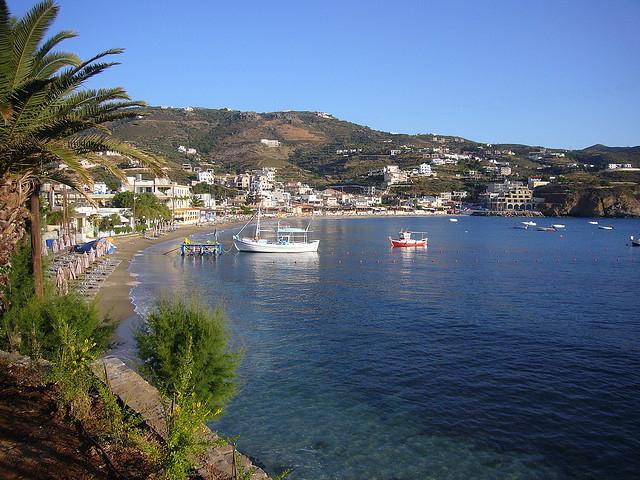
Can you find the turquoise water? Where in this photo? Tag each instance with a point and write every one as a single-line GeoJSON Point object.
{"type": "Point", "coordinates": [495, 353]}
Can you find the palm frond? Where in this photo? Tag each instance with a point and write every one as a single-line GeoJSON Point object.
{"type": "Point", "coordinates": [52, 62]}
{"type": "Point", "coordinates": [68, 155]}
{"type": "Point", "coordinates": [108, 164]}
{"type": "Point", "coordinates": [27, 35]}
{"type": "Point", "coordinates": [86, 63]}
{"type": "Point", "coordinates": [76, 100]}
{"type": "Point", "coordinates": [62, 177]}
{"type": "Point", "coordinates": [52, 42]}
{"type": "Point", "coordinates": [103, 143]}
{"type": "Point", "coordinates": [24, 102]}
{"type": "Point", "coordinates": [5, 51]}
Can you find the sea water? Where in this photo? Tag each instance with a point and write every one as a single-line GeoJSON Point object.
{"type": "Point", "coordinates": [494, 353]}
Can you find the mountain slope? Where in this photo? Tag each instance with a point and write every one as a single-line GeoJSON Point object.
{"type": "Point", "coordinates": [311, 144]}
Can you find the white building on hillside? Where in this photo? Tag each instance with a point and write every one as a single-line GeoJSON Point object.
{"type": "Point", "coordinates": [270, 143]}
{"type": "Point", "coordinates": [424, 169]}
{"type": "Point", "coordinates": [206, 177]}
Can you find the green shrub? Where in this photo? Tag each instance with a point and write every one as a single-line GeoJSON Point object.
{"type": "Point", "coordinates": [71, 367]}
{"type": "Point", "coordinates": [29, 325]}
{"type": "Point", "coordinates": [177, 326]}
{"type": "Point", "coordinates": [186, 418]}
{"type": "Point", "coordinates": [36, 324]}
{"type": "Point", "coordinates": [20, 287]}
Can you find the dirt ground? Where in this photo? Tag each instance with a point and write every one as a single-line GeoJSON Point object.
{"type": "Point", "coordinates": [37, 441]}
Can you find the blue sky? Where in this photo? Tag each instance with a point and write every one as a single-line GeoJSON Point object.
{"type": "Point", "coordinates": [554, 73]}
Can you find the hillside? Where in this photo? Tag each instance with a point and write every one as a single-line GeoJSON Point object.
{"type": "Point", "coordinates": [322, 149]}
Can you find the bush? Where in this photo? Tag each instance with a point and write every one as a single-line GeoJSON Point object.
{"type": "Point", "coordinates": [20, 287]}
{"type": "Point", "coordinates": [36, 324]}
{"type": "Point", "coordinates": [31, 325]}
{"type": "Point", "coordinates": [177, 328]}
{"type": "Point", "coordinates": [186, 419]}
{"type": "Point", "coordinates": [71, 367]}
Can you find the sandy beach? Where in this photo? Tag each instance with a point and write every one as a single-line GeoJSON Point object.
{"type": "Point", "coordinates": [113, 299]}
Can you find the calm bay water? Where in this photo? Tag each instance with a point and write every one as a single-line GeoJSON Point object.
{"type": "Point", "coordinates": [495, 353]}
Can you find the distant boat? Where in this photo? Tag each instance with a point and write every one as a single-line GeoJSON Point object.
{"type": "Point", "coordinates": [593, 222]}
{"type": "Point", "coordinates": [557, 225]}
{"type": "Point", "coordinates": [405, 240]}
{"type": "Point", "coordinates": [635, 242]}
{"type": "Point", "coordinates": [605, 227]}
{"type": "Point", "coordinates": [529, 223]}
{"type": "Point", "coordinates": [521, 227]}
{"type": "Point", "coordinates": [546, 229]}
{"type": "Point", "coordinates": [453, 219]}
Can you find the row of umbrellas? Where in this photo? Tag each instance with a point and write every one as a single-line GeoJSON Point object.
{"type": "Point", "coordinates": [76, 267]}
{"type": "Point", "coordinates": [62, 244]}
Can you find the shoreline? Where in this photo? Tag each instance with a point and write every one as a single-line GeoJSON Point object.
{"type": "Point", "coordinates": [113, 300]}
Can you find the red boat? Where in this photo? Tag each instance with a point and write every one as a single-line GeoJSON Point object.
{"type": "Point", "coordinates": [405, 240]}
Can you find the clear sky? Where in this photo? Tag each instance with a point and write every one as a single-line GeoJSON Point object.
{"type": "Point", "coordinates": [554, 73]}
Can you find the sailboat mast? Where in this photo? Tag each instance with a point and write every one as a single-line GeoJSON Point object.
{"type": "Point", "coordinates": [258, 225]}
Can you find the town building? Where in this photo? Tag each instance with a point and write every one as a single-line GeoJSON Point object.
{"type": "Point", "coordinates": [424, 169]}
{"type": "Point", "coordinates": [535, 182]}
{"type": "Point", "coordinates": [509, 196]}
{"type": "Point", "coordinates": [206, 177]}
{"type": "Point", "coordinates": [393, 175]}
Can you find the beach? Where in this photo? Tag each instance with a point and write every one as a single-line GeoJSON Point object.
{"type": "Point", "coordinates": [113, 300]}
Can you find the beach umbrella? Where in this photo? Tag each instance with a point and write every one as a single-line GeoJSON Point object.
{"type": "Point", "coordinates": [71, 271]}
{"type": "Point", "coordinates": [85, 260]}
{"type": "Point", "coordinates": [60, 280]}
{"type": "Point", "coordinates": [78, 266]}
{"type": "Point", "coordinates": [45, 250]}
{"type": "Point", "coordinates": [54, 246]}
{"type": "Point", "coordinates": [92, 255]}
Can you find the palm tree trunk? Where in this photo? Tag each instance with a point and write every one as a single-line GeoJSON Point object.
{"type": "Point", "coordinates": [13, 196]}
{"type": "Point", "coordinates": [36, 240]}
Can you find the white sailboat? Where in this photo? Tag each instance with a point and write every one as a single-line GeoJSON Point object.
{"type": "Point", "coordinates": [284, 239]}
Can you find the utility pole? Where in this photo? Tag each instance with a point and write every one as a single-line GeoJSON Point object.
{"type": "Point", "coordinates": [65, 211]}
{"type": "Point", "coordinates": [36, 240]}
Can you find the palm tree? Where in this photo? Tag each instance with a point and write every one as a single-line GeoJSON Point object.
{"type": "Point", "coordinates": [47, 120]}
{"type": "Point", "coordinates": [196, 202]}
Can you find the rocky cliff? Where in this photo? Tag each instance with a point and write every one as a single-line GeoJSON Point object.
{"type": "Point", "coordinates": [591, 202]}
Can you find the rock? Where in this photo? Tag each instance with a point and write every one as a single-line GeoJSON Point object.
{"type": "Point", "coordinates": [591, 202]}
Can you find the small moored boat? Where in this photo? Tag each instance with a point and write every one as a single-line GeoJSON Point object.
{"type": "Point", "coordinates": [546, 229]}
{"type": "Point", "coordinates": [605, 227]}
{"type": "Point", "coordinates": [557, 226]}
{"type": "Point", "coordinates": [405, 240]}
{"type": "Point", "coordinates": [593, 222]}
{"type": "Point", "coordinates": [453, 219]}
{"type": "Point", "coordinates": [284, 239]}
{"type": "Point", "coordinates": [529, 223]}
{"type": "Point", "coordinates": [635, 242]}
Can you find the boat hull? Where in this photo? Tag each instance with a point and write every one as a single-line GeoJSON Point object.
{"type": "Point", "coordinates": [253, 246]}
{"type": "Point", "coordinates": [408, 243]}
